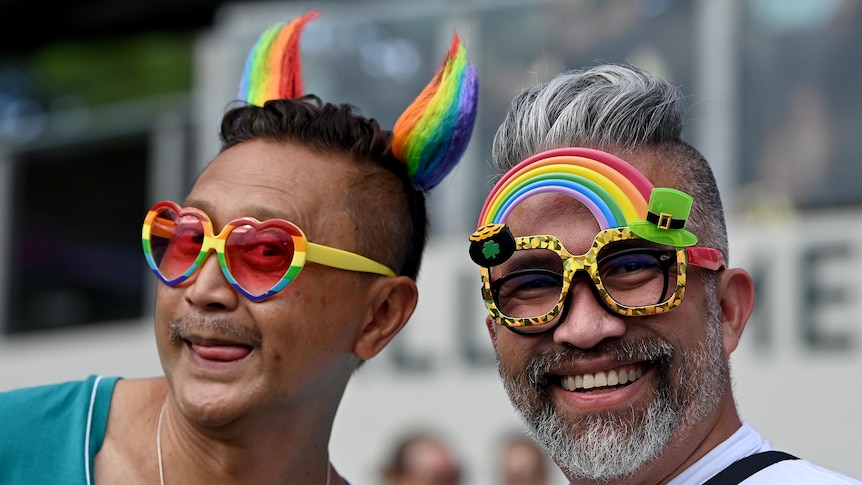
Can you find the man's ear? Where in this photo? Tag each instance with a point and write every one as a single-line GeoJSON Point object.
{"type": "Point", "coordinates": [393, 302]}
{"type": "Point", "coordinates": [492, 330]}
{"type": "Point", "coordinates": [736, 299]}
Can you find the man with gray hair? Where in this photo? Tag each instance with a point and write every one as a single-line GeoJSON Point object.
{"type": "Point", "coordinates": [602, 249]}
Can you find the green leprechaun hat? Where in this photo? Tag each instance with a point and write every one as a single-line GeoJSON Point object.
{"type": "Point", "coordinates": [666, 217]}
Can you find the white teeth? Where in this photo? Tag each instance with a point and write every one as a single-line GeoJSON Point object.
{"type": "Point", "coordinates": [600, 379]}
{"type": "Point", "coordinates": [624, 377]}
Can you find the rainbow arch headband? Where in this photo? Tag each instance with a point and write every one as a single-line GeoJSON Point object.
{"type": "Point", "coordinates": [613, 190]}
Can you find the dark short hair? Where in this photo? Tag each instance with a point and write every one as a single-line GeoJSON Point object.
{"type": "Point", "coordinates": [391, 215]}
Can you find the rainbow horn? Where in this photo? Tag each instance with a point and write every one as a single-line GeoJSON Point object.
{"type": "Point", "coordinates": [272, 68]}
{"type": "Point", "coordinates": [433, 132]}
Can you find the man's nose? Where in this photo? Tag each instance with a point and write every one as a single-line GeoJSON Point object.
{"type": "Point", "coordinates": [586, 322]}
{"type": "Point", "coordinates": [208, 287]}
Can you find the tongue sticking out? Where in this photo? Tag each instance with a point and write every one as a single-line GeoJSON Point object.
{"type": "Point", "coordinates": [225, 353]}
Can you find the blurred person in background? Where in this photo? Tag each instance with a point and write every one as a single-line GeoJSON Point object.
{"type": "Point", "coordinates": [259, 340]}
{"type": "Point", "coordinates": [612, 310]}
{"type": "Point", "coordinates": [520, 461]}
{"type": "Point", "coordinates": [422, 458]}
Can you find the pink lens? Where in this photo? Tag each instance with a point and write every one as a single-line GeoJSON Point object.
{"type": "Point", "coordinates": [175, 242]}
{"type": "Point", "coordinates": [259, 255]}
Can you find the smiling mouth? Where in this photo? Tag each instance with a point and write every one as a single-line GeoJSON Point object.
{"type": "Point", "coordinates": [614, 378]}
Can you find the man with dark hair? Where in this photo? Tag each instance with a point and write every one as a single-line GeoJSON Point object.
{"type": "Point", "coordinates": [292, 260]}
{"type": "Point", "coordinates": [612, 310]}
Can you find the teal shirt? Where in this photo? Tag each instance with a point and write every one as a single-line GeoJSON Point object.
{"type": "Point", "coordinates": [51, 433]}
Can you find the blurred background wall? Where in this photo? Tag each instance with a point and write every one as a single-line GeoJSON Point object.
{"type": "Point", "coordinates": [106, 107]}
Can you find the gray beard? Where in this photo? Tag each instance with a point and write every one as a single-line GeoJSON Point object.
{"type": "Point", "coordinates": [608, 446]}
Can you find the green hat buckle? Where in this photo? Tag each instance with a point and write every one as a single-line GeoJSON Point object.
{"type": "Point", "coordinates": [666, 217]}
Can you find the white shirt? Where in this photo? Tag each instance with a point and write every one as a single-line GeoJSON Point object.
{"type": "Point", "coordinates": [746, 441]}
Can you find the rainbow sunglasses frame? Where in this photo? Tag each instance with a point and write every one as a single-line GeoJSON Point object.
{"type": "Point", "coordinates": [303, 250]}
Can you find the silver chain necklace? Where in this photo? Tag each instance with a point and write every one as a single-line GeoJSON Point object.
{"type": "Point", "coordinates": [159, 449]}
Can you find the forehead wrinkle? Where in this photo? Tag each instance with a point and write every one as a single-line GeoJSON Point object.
{"type": "Point", "coordinates": [250, 209]}
{"type": "Point", "coordinates": [273, 181]}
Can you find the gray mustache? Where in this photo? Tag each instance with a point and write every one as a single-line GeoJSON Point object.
{"type": "Point", "coordinates": [539, 366]}
{"type": "Point", "coordinates": [179, 329]}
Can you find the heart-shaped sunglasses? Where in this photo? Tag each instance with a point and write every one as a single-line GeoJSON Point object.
{"type": "Point", "coordinates": [258, 258]}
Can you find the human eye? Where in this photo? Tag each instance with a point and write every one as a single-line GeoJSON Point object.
{"type": "Point", "coordinates": [633, 267]}
{"type": "Point", "coordinates": [265, 250]}
{"type": "Point", "coordinates": [528, 292]}
{"type": "Point", "coordinates": [530, 281]}
{"type": "Point", "coordinates": [188, 236]}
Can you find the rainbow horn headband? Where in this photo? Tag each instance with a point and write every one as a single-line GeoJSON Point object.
{"type": "Point", "coordinates": [432, 134]}
{"type": "Point", "coordinates": [614, 191]}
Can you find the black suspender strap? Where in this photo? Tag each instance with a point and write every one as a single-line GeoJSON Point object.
{"type": "Point", "coordinates": [748, 466]}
